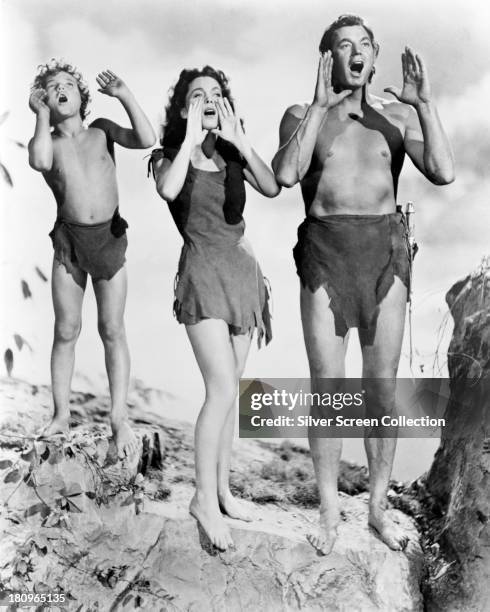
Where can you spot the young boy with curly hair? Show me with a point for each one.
(89, 236)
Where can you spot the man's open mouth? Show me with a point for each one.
(357, 66)
(62, 98)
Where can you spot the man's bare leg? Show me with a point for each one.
(380, 365)
(229, 504)
(326, 356)
(67, 292)
(214, 354)
(111, 300)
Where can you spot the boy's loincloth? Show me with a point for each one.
(355, 258)
(97, 249)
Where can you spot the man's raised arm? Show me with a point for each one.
(300, 127)
(425, 140)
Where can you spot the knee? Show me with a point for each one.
(321, 368)
(222, 391)
(66, 330)
(111, 330)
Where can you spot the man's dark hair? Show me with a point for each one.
(341, 22)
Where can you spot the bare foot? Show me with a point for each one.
(233, 508)
(324, 540)
(58, 428)
(213, 524)
(388, 531)
(125, 439)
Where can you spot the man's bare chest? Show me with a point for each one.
(370, 139)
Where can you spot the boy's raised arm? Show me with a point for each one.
(41, 145)
(141, 134)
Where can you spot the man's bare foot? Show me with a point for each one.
(213, 524)
(324, 540)
(233, 508)
(58, 428)
(125, 439)
(387, 531)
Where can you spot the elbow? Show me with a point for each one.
(443, 178)
(286, 180)
(165, 194)
(148, 141)
(272, 191)
(40, 165)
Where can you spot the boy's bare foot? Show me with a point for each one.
(57, 428)
(324, 540)
(125, 439)
(233, 508)
(213, 524)
(387, 531)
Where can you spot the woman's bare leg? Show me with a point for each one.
(214, 354)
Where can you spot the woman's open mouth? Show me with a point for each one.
(62, 99)
(210, 112)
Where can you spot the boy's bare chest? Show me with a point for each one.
(85, 154)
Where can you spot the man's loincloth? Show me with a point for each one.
(355, 258)
(97, 249)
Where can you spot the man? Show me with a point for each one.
(346, 149)
(89, 237)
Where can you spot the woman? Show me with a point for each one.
(220, 293)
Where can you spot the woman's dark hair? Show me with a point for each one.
(175, 125)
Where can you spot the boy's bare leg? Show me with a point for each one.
(380, 365)
(229, 504)
(326, 356)
(111, 300)
(214, 354)
(67, 293)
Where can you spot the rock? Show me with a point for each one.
(117, 537)
(458, 482)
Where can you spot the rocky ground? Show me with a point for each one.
(113, 536)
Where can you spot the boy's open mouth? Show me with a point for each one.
(62, 98)
(357, 66)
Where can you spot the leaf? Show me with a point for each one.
(6, 175)
(41, 274)
(73, 507)
(35, 508)
(72, 489)
(9, 361)
(45, 455)
(90, 494)
(26, 292)
(5, 463)
(19, 144)
(4, 116)
(128, 501)
(13, 476)
(20, 341)
(29, 455)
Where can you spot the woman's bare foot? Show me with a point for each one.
(233, 508)
(212, 522)
(57, 428)
(324, 540)
(387, 531)
(125, 439)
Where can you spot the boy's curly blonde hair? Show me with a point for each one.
(52, 68)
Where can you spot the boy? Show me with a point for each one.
(89, 236)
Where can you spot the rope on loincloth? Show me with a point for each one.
(412, 248)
